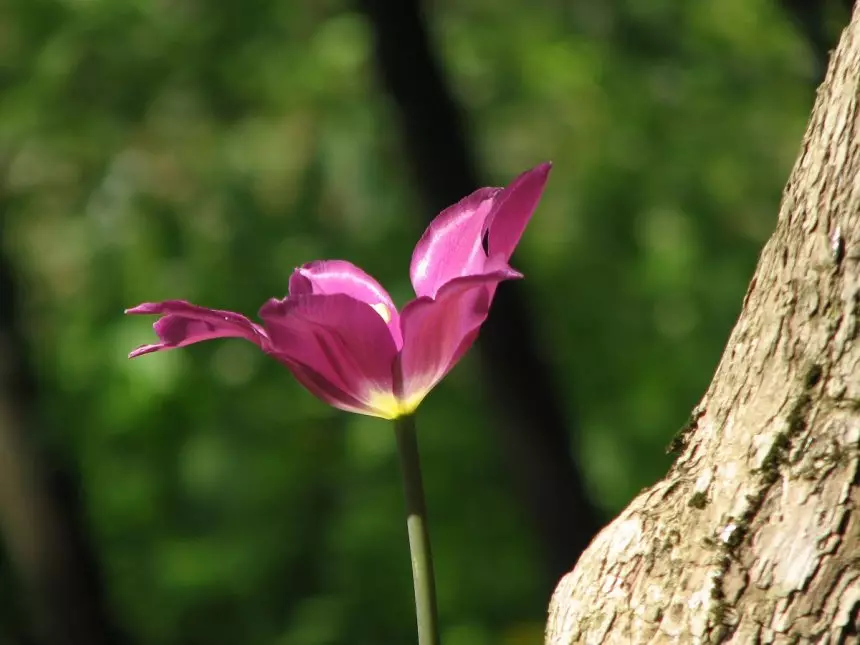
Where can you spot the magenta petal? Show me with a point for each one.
(328, 277)
(342, 346)
(324, 389)
(514, 209)
(182, 324)
(451, 246)
(437, 332)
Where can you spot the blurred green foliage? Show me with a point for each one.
(202, 150)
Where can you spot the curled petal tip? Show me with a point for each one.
(513, 274)
(145, 308)
(502, 270)
(541, 169)
(145, 349)
(539, 174)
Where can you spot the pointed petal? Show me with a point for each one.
(183, 323)
(514, 209)
(451, 246)
(328, 277)
(437, 332)
(343, 347)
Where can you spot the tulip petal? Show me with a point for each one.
(323, 389)
(451, 246)
(514, 208)
(328, 277)
(183, 323)
(342, 345)
(437, 332)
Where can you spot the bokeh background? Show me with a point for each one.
(155, 149)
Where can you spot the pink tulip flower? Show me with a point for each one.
(341, 335)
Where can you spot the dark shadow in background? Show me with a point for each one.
(42, 522)
(531, 415)
(812, 19)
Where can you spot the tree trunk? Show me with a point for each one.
(754, 534)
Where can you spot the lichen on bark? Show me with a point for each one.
(754, 534)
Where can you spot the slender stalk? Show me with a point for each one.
(419, 539)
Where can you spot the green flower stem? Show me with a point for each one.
(419, 540)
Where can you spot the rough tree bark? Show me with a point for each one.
(754, 534)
